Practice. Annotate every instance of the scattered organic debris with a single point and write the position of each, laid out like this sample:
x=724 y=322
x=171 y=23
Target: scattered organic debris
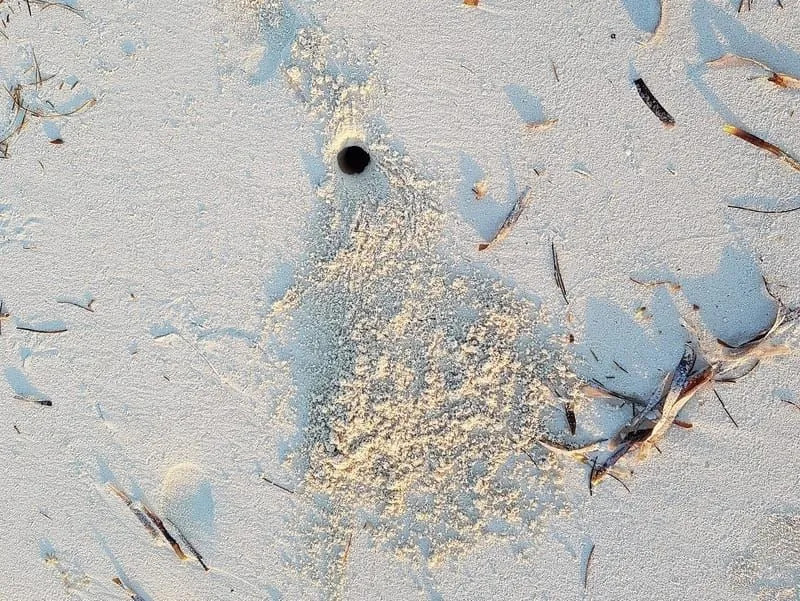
x=28 y=100
x=698 y=369
x=522 y=202
x=155 y=525
x=540 y=126
x=471 y=2
x=653 y=104
x=768 y=212
x=555 y=71
x=782 y=80
x=762 y=144
x=557 y=272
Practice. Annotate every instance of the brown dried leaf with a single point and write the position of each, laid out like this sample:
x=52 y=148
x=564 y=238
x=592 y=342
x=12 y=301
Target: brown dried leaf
x=538 y=126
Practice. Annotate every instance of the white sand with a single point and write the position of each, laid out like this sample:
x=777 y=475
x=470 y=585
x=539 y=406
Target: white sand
x=186 y=202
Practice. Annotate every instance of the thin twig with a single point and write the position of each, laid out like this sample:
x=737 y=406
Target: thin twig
x=620 y=367
x=776 y=212
x=557 y=272
x=721 y=402
x=281 y=486
x=40 y=331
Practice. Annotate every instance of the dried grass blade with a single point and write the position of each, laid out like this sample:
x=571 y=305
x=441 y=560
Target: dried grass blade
x=762 y=144
x=519 y=206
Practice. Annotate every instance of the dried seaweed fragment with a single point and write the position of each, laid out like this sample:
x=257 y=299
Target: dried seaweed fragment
x=762 y=144
x=782 y=80
x=653 y=104
x=471 y=2
x=539 y=126
x=522 y=202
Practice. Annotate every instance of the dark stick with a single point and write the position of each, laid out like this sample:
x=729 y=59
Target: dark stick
x=719 y=398
x=618 y=365
x=38 y=331
x=571 y=421
x=557 y=272
x=591 y=475
x=625 y=486
x=283 y=488
x=164 y=532
x=653 y=104
x=795 y=405
x=191 y=547
x=752 y=210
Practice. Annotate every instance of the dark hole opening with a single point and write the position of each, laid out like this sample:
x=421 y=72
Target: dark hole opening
x=353 y=159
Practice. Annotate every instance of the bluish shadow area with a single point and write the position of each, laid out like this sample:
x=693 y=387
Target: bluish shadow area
x=733 y=301
x=720 y=32
x=528 y=106
x=21 y=386
x=132 y=584
x=485 y=215
x=620 y=343
x=279 y=29
x=763 y=203
x=643 y=13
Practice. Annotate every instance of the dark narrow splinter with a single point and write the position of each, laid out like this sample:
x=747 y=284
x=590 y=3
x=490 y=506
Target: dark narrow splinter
x=353 y=160
x=653 y=104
